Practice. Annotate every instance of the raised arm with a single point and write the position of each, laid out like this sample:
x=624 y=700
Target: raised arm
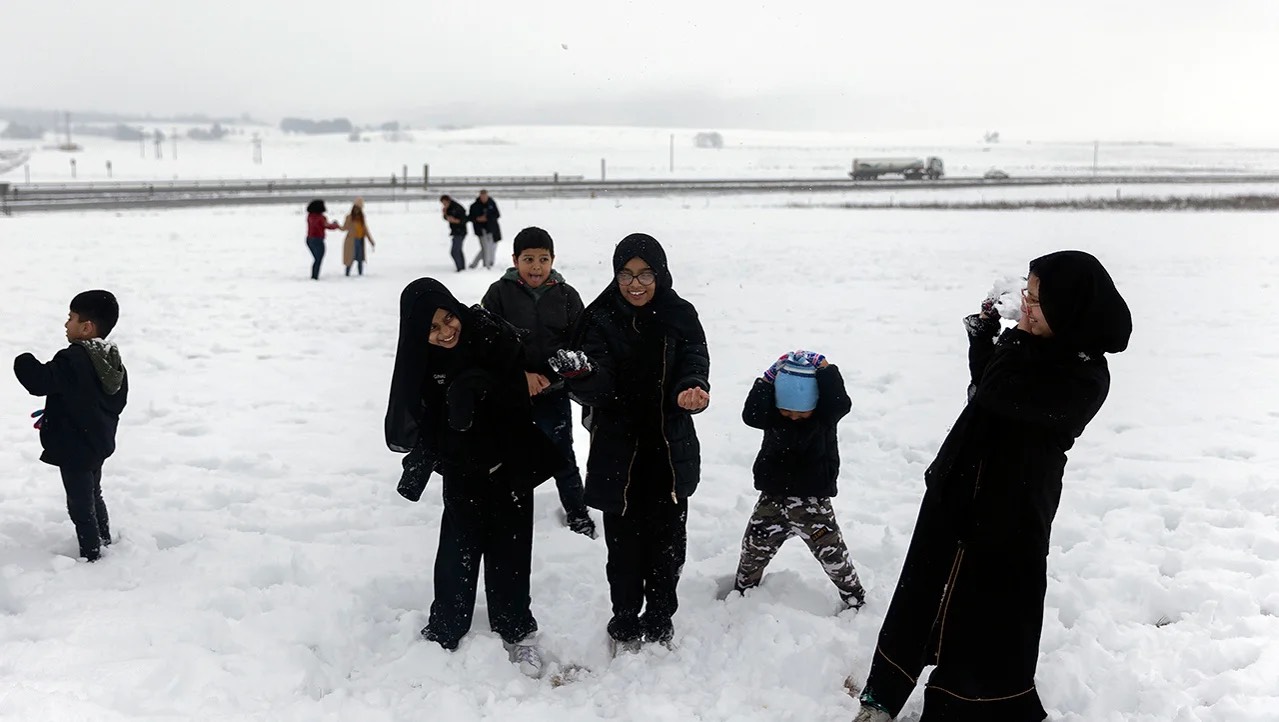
x=760 y=410
x=1028 y=382
x=833 y=402
x=55 y=377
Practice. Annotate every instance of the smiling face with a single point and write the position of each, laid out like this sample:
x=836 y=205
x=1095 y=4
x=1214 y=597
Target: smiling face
x=1032 y=311
x=534 y=266
x=637 y=282
x=446 y=329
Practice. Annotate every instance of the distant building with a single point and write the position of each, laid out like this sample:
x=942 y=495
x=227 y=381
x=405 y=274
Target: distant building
x=708 y=140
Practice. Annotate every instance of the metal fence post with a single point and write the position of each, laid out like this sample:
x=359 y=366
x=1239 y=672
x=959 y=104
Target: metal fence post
x=426 y=176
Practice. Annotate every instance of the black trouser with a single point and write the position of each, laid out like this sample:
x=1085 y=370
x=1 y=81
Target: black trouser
x=553 y=414
x=459 y=260
x=317 y=252
x=87 y=510
x=646 y=549
x=494 y=528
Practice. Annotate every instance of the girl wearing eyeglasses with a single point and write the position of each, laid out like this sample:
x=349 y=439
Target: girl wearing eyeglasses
x=642 y=370
x=970 y=598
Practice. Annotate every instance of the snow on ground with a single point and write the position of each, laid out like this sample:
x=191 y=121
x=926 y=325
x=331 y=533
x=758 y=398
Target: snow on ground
x=628 y=152
x=267 y=570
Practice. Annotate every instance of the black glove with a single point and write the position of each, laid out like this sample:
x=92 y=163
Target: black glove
x=988 y=308
x=570 y=364
x=418 y=465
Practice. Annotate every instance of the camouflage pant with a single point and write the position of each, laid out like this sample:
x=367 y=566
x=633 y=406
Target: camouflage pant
x=811 y=518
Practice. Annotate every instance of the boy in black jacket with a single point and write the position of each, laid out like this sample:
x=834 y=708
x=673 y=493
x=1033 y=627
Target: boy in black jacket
x=455 y=215
x=87 y=388
x=534 y=298
x=797 y=403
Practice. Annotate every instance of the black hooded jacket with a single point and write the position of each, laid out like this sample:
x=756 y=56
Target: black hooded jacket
x=798 y=457
x=455 y=210
x=491 y=214
x=1000 y=468
x=85 y=398
x=467 y=408
x=642 y=442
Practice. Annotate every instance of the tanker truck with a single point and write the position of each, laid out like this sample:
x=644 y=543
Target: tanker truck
x=908 y=168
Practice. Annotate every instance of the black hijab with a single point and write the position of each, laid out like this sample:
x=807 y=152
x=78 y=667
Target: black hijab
x=416 y=358
x=1081 y=304
x=667 y=310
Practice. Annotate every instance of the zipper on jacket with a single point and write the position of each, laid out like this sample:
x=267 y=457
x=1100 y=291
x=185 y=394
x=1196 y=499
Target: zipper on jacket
x=670 y=459
x=627 y=486
x=944 y=607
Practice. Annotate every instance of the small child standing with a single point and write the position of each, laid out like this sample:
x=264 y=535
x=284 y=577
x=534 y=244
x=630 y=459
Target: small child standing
x=87 y=388
x=797 y=403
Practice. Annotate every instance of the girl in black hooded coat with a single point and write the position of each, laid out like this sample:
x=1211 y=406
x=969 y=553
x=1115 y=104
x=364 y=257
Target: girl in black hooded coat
x=641 y=369
x=970 y=598
x=458 y=384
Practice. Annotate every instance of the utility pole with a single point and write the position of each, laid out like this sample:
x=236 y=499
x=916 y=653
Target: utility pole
x=672 y=152
x=603 y=175
x=1096 y=148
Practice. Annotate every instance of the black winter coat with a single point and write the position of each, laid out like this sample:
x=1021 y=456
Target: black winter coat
x=970 y=598
x=971 y=593
x=640 y=369
x=545 y=318
x=466 y=409
x=456 y=210
x=80 y=417
x=491 y=214
x=798 y=458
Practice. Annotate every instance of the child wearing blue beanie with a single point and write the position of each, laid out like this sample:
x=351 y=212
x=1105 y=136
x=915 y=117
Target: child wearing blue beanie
x=797 y=403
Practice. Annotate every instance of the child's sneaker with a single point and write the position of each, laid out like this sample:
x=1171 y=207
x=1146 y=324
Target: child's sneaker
x=618 y=647
x=526 y=655
x=871 y=711
x=871 y=714
x=580 y=522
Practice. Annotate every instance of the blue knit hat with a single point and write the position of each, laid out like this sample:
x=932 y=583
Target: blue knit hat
x=796 y=385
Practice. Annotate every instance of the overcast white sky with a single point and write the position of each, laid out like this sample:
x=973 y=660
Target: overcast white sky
x=1090 y=67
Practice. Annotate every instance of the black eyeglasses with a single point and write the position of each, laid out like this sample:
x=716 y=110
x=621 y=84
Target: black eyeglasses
x=646 y=278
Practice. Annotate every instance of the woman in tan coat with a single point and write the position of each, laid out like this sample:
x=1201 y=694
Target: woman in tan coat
x=357 y=231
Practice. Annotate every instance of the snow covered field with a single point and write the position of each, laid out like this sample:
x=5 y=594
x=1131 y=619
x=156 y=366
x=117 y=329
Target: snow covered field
x=267 y=570
x=629 y=152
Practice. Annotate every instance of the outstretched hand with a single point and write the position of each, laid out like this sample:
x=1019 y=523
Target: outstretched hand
x=694 y=399
x=570 y=364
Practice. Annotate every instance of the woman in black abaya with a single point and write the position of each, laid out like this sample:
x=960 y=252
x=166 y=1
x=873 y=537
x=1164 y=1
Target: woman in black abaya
x=970 y=598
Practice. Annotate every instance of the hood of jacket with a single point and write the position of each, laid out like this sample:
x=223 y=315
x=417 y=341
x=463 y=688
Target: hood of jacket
x=1081 y=304
x=106 y=362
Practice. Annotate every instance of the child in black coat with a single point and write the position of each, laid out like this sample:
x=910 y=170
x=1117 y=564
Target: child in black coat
x=458 y=384
x=642 y=368
x=535 y=298
x=797 y=403
x=87 y=388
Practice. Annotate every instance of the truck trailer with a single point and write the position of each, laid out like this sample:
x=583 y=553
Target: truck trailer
x=908 y=168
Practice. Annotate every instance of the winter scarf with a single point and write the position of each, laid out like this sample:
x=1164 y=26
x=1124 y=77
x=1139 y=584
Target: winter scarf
x=106 y=362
